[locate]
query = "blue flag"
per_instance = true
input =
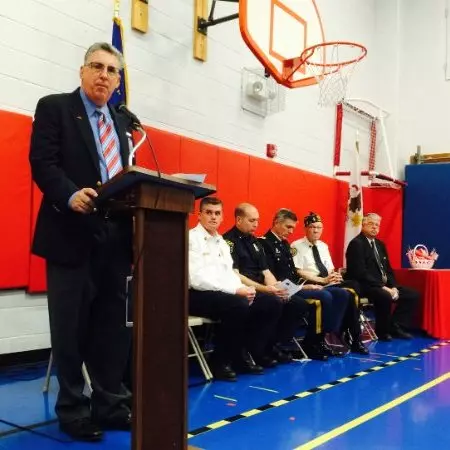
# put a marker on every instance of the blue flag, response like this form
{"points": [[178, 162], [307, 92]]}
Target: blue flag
{"points": [[120, 95]]}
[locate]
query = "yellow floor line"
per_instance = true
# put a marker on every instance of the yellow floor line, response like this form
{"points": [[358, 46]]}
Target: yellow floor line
{"points": [[371, 414]]}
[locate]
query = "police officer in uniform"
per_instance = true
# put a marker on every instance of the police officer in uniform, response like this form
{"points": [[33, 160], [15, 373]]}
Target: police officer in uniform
{"points": [[250, 262]]}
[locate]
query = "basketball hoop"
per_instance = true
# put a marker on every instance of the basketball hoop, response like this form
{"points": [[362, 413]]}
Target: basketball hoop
{"points": [[332, 64]]}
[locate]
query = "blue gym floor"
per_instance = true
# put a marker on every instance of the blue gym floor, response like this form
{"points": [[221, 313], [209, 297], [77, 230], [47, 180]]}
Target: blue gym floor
{"points": [[396, 398]]}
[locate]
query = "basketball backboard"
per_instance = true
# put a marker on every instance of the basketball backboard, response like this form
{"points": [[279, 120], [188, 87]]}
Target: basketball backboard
{"points": [[277, 32]]}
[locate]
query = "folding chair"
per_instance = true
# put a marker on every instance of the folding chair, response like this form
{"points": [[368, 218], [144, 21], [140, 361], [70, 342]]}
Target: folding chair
{"points": [[366, 324], [46, 386], [198, 353]]}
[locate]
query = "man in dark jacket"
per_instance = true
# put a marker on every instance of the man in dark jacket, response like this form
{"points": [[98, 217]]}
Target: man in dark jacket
{"points": [[79, 142], [368, 263], [281, 264]]}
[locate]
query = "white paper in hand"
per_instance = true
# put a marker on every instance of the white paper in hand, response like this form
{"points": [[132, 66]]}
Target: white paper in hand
{"points": [[289, 286]]}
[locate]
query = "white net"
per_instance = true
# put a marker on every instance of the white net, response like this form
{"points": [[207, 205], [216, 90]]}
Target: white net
{"points": [[333, 64]]}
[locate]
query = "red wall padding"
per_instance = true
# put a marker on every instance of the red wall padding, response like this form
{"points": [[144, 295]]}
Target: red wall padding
{"points": [[388, 203], [238, 178], [15, 187]]}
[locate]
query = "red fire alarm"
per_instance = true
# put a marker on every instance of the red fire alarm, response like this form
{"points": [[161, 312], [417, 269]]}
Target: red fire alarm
{"points": [[271, 150]]}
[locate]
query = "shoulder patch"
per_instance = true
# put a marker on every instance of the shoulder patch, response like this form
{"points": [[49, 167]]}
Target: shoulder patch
{"points": [[230, 244], [294, 251]]}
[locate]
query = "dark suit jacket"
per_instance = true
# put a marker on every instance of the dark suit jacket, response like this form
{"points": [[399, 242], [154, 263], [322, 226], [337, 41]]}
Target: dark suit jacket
{"points": [[362, 265], [64, 159]]}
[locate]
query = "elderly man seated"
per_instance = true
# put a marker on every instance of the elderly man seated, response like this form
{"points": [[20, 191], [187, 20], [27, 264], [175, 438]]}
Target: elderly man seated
{"points": [[368, 263], [313, 262]]}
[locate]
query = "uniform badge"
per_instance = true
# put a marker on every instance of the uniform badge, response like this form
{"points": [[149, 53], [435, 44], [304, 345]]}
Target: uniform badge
{"points": [[256, 246], [230, 244], [293, 251]]}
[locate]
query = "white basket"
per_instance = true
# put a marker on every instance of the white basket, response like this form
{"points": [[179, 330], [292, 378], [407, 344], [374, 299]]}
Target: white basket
{"points": [[419, 263]]}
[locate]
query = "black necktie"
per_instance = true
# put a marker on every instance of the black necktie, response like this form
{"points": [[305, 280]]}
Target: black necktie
{"points": [[377, 257], [323, 271]]}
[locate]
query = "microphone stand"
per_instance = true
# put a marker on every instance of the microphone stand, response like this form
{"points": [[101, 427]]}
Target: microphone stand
{"points": [[141, 141]]}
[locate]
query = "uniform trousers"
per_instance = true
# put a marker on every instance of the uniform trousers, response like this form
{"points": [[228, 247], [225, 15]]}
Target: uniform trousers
{"points": [[242, 325]]}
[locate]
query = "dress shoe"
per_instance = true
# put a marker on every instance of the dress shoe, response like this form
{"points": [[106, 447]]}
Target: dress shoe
{"points": [[246, 365], [358, 347], [384, 337], [397, 332], [82, 430], [117, 423], [266, 361], [282, 356], [330, 351], [314, 351], [223, 372]]}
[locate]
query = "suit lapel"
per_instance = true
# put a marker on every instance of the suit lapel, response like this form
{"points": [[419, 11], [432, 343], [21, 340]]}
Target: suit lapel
{"points": [[82, 121]]}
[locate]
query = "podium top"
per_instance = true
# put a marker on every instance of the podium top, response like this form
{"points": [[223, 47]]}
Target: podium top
{"points": [[133, 175]]}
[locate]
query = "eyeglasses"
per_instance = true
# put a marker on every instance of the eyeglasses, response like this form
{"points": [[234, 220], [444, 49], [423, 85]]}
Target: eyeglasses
{"points": [[98, 68]]}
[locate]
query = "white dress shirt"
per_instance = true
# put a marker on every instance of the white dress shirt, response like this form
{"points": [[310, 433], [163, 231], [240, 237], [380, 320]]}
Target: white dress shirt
{"points": [[210, 263], [304, 259]]}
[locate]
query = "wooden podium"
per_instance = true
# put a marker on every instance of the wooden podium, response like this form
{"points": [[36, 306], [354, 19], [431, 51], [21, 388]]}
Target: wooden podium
{"points": [[160, 206]]}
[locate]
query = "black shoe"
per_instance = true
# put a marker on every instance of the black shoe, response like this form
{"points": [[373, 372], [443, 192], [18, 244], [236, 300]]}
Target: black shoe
{"points": [[385, 337], [282, 356], [397, 332], [249, 367], [330, 351], [266, 361], [358, 347], [223, 372], [314, 351], [117, 423], [82, 430]]}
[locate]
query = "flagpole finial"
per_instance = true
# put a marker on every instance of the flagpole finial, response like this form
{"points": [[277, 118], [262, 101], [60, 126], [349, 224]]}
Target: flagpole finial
{"points": [[116, 8]]}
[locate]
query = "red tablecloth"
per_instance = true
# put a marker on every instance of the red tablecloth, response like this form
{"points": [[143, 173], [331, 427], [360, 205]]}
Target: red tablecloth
{"points": [[434, 286]]}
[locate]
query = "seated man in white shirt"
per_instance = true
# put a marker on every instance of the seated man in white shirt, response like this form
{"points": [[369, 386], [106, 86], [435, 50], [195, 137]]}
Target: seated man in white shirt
{"points": [[313, 262], [216, 292]]}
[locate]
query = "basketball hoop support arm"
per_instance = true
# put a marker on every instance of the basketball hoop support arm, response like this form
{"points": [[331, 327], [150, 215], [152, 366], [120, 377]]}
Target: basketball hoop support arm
{"points": [[204, 24]]}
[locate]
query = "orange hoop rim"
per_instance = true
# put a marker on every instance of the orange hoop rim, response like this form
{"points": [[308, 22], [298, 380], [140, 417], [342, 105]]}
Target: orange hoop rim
{"points": [[309, 52]]}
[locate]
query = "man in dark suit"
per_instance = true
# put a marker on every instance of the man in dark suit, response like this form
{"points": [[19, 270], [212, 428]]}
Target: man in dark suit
{"points": [[79, 142], [368, 263]]}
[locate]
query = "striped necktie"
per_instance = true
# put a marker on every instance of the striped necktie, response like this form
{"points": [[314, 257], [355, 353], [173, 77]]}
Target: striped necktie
{"points": [[110, 146]]}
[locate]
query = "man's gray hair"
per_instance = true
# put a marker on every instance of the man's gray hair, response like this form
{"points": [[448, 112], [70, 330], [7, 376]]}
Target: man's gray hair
{"points": [[106, 47], [371, 216], [284, 214]]}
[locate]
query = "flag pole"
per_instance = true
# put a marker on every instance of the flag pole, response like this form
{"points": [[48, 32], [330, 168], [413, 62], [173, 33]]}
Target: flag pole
{"points": [[116, 9]]}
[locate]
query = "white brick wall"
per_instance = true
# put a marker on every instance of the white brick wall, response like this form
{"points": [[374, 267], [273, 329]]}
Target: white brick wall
{"points": [[42, 43]]}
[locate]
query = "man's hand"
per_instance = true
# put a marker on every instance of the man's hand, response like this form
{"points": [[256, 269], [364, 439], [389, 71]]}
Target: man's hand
{"points": [[333, 277], [392, 291], [82, 201], [314, 287], [247, 291], [274, 290]]}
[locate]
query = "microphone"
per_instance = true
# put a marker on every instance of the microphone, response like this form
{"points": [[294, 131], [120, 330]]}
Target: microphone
{"points": [[135, 122], [136, 125]]}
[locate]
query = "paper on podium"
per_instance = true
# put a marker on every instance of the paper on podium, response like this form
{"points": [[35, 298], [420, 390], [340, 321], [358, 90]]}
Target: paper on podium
{"points": [[289, 286], [196, 177]]}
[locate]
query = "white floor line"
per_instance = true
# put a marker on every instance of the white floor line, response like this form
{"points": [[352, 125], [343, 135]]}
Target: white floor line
{"points": [[365, 359], [226, 398], [265, 389], [394, 356]]}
